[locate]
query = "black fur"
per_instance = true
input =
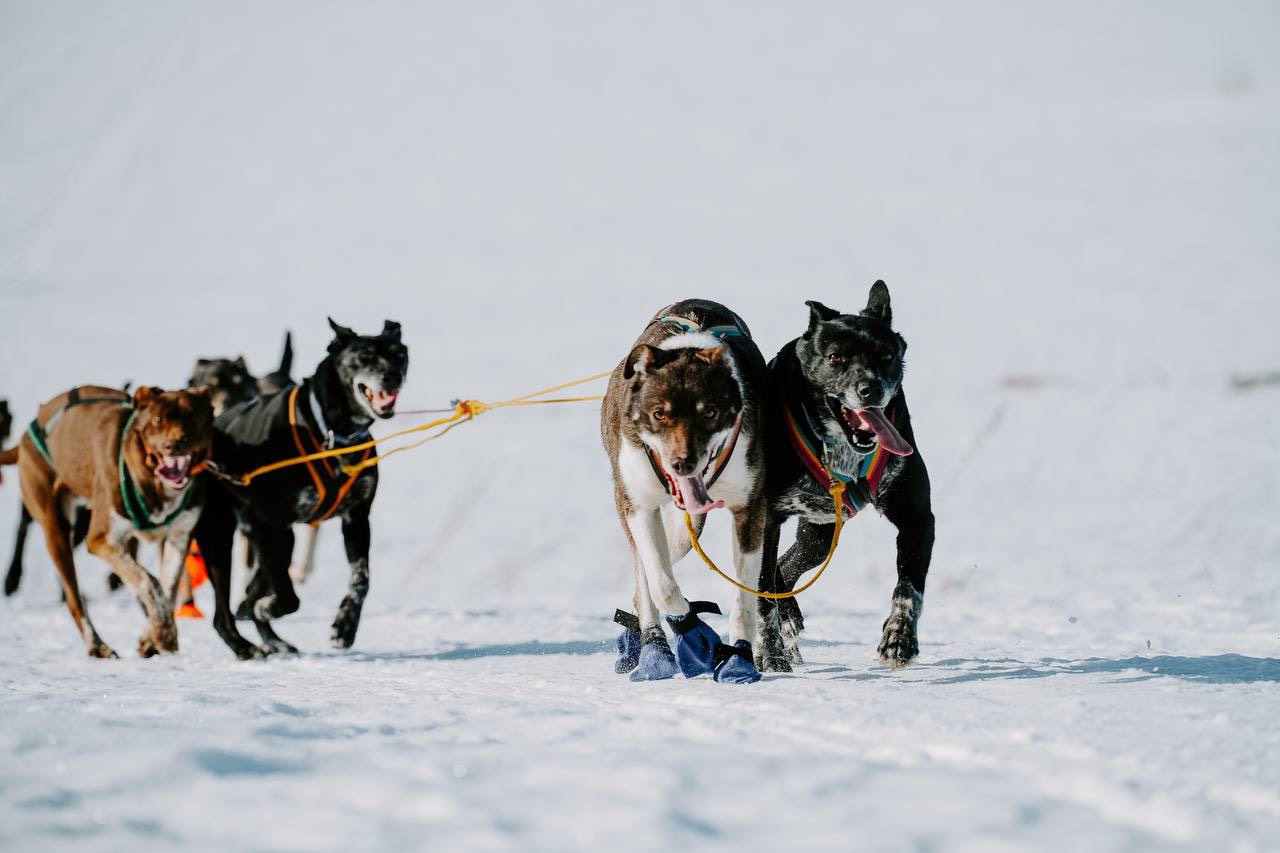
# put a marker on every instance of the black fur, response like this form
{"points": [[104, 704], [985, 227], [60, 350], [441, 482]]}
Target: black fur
{"points": [[257, 432], [843, 354]]}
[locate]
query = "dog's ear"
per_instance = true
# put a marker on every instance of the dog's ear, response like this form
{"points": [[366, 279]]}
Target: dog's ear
{"points": [[341, 334], [203, 362], [241, 363], [645, 358], [878, 304], [391, 330], [340, 331], [144, 395], [819, 313], [711, 355]]}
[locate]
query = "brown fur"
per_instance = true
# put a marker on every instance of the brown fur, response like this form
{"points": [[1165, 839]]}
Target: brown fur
{"points": [[85, 444]]}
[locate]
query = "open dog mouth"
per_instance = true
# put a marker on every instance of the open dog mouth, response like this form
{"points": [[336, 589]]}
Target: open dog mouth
{"points": [[865, 428], [175, 471], [381, 402]]}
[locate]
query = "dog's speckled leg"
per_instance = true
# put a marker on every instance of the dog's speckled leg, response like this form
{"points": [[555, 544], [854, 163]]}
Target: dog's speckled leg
{"points": [[899, 645]]}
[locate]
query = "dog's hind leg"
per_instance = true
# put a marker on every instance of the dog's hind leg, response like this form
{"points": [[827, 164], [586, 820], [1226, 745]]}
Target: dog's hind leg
{"points": [[274, 547], [813, 541], [14, 576], [215, 532], [111, 545], [306, 564], [770, 654], [355, 538], [57, 534]]}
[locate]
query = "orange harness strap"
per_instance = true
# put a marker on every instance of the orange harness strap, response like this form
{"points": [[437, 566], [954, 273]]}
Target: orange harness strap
{"points": [[322, 493]]}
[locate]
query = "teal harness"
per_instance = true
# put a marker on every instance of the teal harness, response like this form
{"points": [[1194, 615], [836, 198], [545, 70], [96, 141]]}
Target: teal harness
{"points": [[134, 505]]}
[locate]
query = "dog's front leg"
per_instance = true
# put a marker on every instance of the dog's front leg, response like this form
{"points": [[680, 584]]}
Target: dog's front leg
{"points": [[649, 538], [110, 545], [355, 535], [748, 558], [908, 508]]}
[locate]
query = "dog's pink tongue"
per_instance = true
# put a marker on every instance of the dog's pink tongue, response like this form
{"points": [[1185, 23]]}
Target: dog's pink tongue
{"points": [[694, 493], [890, 439], [382, 399]]}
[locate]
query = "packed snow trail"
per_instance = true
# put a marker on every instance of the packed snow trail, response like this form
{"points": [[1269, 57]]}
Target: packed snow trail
{"points": [[1074, 209]]}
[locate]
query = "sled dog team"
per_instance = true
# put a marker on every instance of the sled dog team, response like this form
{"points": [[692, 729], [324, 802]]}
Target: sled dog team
{"points": [[693, 420]]}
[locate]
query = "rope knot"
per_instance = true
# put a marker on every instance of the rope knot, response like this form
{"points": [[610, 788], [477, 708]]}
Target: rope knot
{"points": [[472, 407]]}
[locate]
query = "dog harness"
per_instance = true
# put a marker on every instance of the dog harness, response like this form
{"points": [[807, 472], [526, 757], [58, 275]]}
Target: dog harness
{"points": [[135, 507], [39, 434], [805, 438], [719, 459], [332, 479]]}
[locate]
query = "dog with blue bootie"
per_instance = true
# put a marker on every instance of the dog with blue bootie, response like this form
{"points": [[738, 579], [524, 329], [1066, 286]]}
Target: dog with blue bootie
{"points": [[681, 422]]}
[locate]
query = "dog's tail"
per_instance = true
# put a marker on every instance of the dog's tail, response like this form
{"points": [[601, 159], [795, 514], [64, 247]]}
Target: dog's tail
{"points": [[286, 357], [9, 457]]}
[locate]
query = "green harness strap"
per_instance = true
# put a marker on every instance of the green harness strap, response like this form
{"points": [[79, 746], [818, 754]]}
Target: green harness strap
{"points": [[134, 506], [40, 434]]}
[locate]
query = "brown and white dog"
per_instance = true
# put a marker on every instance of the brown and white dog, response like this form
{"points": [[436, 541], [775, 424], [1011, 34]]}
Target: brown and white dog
{"points": [[681, 423], [132, 461]]}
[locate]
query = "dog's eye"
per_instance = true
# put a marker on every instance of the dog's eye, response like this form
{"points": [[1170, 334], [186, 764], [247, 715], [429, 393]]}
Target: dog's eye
{"points": [[156, 420], [835, 359], [709, 413], [659, 415], [887, 358]]}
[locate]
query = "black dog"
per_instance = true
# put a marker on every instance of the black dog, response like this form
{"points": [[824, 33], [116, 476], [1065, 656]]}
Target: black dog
{"points": [[229, 380], [358, 382], [837, 408]]}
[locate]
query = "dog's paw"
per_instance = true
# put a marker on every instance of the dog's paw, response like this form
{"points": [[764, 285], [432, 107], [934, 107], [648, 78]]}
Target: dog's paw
{"points": [[248, 651], [766, 662], [103, 651], [794, 658], [899, 645], [277, 646], [734, 664], [343, 633], [656, 662]]}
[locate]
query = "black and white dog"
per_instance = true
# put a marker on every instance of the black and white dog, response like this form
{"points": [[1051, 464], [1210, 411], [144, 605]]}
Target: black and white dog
{"points": [[357, 383], [681, 424], [837, 408]]}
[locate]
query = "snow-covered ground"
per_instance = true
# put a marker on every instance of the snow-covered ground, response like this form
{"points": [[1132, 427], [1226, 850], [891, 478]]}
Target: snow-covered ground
{"points": [[1075, 209]]}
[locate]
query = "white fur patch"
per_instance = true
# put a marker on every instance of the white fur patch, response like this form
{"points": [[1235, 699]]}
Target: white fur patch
{"points": [[691, 340]]}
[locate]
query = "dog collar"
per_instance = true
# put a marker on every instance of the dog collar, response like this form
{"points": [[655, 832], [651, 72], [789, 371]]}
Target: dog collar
{"points": [[331, 438], [805, 439]]}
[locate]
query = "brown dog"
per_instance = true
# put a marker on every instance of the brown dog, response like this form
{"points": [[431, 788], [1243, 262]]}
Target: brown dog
{"points": [[133, 462]]}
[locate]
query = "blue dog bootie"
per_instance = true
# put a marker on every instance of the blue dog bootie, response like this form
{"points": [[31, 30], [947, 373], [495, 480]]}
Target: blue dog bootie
{"points": [[734, 664], [696, 644], [628, 642], [656, 660]]}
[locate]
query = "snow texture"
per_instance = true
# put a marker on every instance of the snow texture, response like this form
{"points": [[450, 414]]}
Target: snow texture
{"points": [[1075, 208]]}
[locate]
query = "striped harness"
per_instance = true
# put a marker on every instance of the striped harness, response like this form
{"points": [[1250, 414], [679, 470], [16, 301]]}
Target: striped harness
{"points": [[720, 458], [862, 483]]}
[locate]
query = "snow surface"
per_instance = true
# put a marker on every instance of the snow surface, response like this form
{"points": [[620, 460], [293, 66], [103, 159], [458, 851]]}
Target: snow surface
{"points": [[1075, 208]]}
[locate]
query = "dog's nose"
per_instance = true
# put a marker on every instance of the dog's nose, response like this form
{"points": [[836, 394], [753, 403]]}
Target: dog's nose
{"points": [[682, 465], [869, 390]]}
